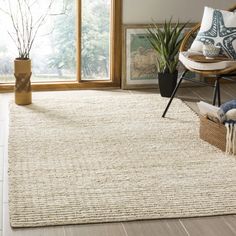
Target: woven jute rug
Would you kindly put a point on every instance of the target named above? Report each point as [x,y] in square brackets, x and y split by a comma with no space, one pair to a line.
[77,158]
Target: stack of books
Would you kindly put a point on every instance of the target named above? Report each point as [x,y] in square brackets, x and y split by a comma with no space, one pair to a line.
[211,112]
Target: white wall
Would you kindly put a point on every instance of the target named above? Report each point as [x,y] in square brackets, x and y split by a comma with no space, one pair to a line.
[142,11]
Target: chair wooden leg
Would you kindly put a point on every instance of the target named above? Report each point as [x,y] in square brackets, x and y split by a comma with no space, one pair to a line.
[215,92]
[173,94]
[218,92]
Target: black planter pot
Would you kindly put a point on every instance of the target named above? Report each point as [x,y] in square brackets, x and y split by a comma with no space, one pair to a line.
[167,83]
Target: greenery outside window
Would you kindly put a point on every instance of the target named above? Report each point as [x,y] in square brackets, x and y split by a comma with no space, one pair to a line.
[75,48]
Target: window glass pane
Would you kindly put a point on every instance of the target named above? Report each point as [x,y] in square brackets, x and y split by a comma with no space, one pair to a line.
[95,42]
[53,53]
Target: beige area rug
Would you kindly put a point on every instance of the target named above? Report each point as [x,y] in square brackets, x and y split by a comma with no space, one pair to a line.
[75,157]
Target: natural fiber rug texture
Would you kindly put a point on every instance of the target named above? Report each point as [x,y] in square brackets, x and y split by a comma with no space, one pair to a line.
[84,157]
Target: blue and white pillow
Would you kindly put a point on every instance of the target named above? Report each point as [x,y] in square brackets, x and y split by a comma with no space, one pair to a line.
[218,27]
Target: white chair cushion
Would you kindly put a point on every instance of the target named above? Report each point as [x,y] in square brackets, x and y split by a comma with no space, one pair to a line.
[189,63]
[218,27]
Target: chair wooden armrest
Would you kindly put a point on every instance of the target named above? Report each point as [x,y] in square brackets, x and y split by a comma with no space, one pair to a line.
[189,37]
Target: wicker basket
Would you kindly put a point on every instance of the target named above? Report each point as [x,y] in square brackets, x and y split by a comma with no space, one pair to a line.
[213,133]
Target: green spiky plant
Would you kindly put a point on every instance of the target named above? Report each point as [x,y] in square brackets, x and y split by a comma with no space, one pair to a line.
[166,41]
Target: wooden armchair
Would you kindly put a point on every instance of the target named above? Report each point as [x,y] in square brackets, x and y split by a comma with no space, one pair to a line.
[217,75]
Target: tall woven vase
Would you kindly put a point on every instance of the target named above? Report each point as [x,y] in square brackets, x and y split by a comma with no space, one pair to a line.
[22,72]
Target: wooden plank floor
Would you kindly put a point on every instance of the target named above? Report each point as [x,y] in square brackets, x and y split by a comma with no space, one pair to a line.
[202,226]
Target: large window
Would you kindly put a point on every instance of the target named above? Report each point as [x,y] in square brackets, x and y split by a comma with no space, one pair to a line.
[96,39]
[75,45]
[54,50]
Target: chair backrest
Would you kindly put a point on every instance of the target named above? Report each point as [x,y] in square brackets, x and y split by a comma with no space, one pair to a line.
[191,35]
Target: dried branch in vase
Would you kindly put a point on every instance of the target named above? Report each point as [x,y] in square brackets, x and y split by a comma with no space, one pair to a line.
[26,24]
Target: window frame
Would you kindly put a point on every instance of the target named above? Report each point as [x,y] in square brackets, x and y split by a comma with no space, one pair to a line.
[115,58]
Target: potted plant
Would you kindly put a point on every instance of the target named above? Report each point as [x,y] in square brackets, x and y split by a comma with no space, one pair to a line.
[166,41]
[25,28]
